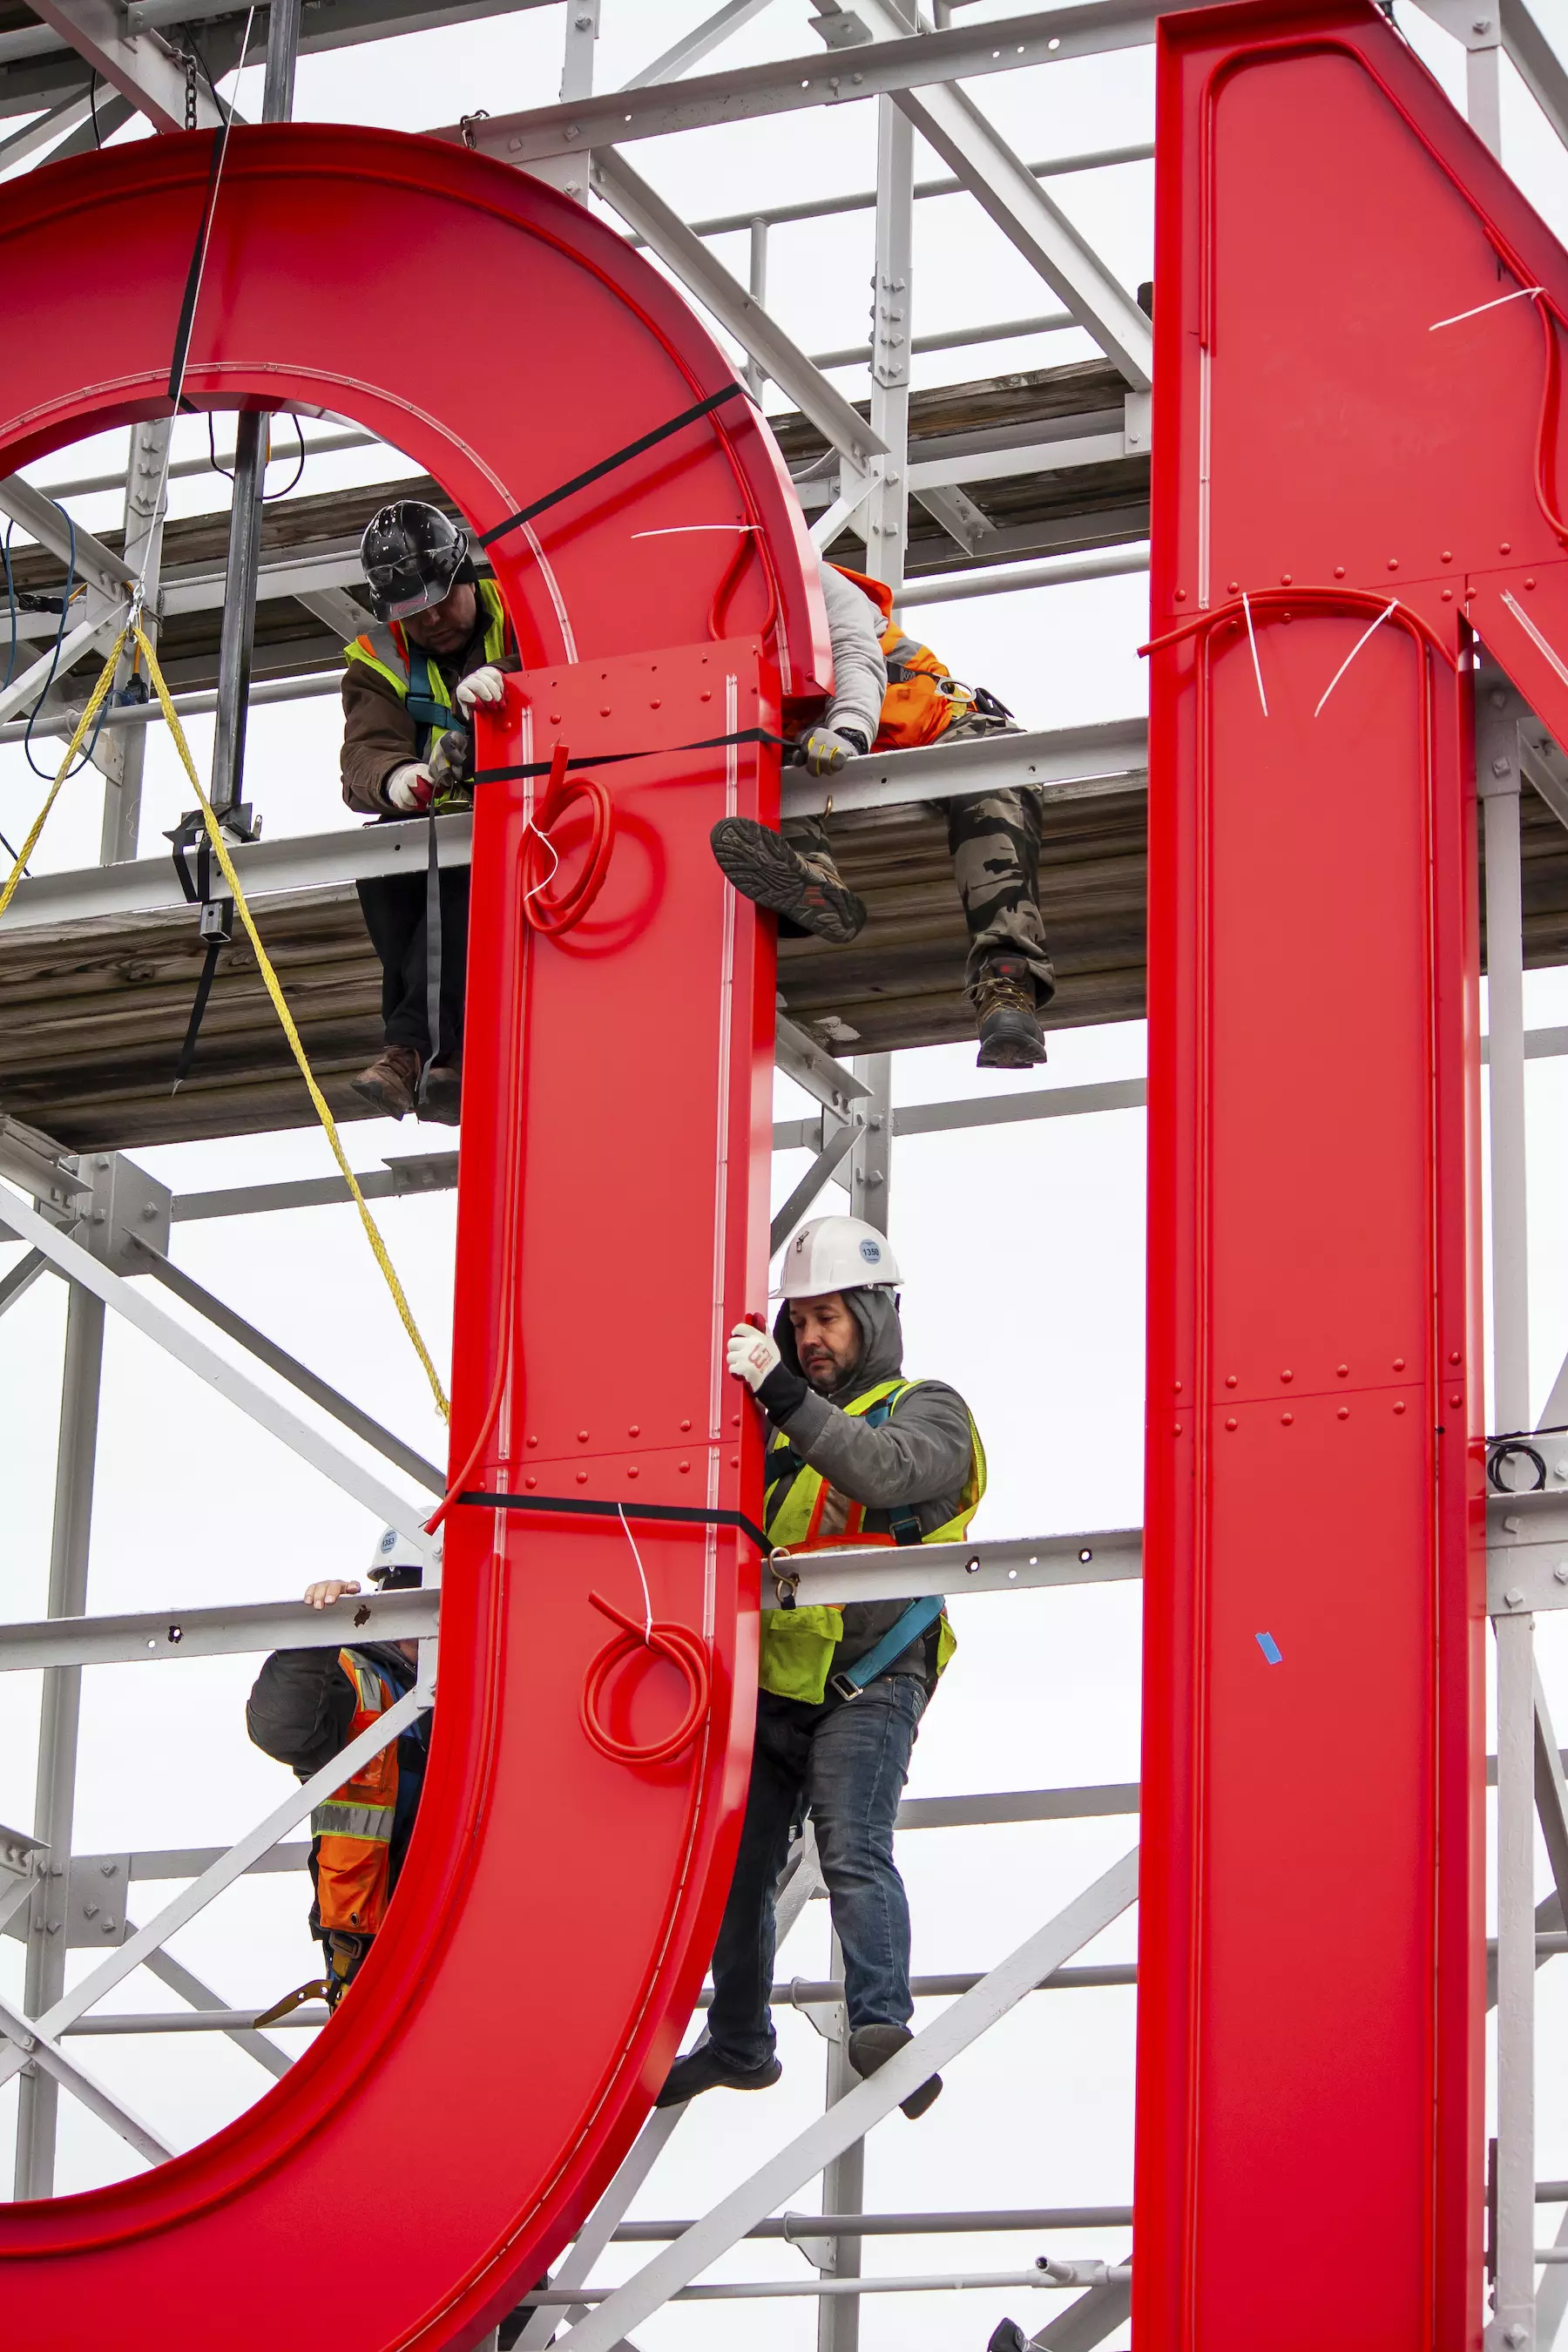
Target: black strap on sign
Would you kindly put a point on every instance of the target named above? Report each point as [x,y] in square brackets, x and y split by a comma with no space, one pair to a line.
[615,759]
[193,274]
[681,1514]
[609,465]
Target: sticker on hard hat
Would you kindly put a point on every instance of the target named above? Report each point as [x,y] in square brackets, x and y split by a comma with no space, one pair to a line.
[871,1253]
[389,1540]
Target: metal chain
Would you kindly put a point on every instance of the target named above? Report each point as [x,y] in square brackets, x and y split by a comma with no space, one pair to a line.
[190,93]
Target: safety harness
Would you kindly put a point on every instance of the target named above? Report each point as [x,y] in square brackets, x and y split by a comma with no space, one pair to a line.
[922,702]
[798,1643]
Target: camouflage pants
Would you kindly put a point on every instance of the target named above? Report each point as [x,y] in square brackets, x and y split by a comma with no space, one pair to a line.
[994,840]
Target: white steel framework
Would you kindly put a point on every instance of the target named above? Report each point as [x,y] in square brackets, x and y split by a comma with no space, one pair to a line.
[100,1223]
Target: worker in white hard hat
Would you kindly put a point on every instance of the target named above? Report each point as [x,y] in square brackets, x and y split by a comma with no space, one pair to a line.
[305,1709]
[856,1455]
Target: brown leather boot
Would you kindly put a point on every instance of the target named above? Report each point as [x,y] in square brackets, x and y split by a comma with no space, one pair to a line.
[391,1081]
[443,1100]
[804,890]
[1010,1037]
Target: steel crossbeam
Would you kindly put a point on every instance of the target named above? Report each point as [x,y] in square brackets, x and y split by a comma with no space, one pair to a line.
[69,1257]
[23,2043]
[233,1865]
[146,1637]
[935,2046]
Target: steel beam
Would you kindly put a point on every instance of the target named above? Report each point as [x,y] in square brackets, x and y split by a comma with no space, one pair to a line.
[934,2047]
[702,40]
[1007,190]
[42,520]
[146,503]
[147,1636]
[813,1183]
[114,1290]
[55,1801]
[118,1965]
[1536,62]
[667,235]
[184,1286]
[321,861]
[792,85]
[45,2061]
[1071,762]
[141,66]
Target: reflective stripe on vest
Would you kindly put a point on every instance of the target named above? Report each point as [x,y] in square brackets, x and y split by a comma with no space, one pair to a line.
[922,702]
[353,1828]
[414,678]
[798,1645]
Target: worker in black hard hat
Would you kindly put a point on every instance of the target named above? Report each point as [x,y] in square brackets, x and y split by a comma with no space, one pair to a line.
[410,684]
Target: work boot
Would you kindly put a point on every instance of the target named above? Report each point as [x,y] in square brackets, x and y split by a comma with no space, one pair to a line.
[807,890]
[706,2069]
[443,1100]
[1007,2336]
[391,1081]
[871,2046]
[1010,1037]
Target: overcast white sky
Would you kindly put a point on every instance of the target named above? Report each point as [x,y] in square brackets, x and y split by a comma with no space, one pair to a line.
[1022,1249]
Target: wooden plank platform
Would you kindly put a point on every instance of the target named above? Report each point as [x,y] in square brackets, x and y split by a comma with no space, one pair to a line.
[91,1015]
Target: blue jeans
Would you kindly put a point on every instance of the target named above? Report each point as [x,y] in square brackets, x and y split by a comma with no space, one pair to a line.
[846,1765]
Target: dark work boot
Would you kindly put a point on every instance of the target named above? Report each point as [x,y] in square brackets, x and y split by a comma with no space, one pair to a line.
[391,1081]
[1007,2336]
[1010,1037]
[871,2046]
[706,2069]
[443,1100]
[766,869]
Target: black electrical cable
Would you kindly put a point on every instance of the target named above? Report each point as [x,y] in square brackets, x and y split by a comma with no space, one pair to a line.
[269,497]
[92,108]
[88,750]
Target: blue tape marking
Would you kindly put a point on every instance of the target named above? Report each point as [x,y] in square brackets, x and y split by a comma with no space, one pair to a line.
[1270,1648]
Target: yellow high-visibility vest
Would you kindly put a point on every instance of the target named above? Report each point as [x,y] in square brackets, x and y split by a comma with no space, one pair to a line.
[798,1645]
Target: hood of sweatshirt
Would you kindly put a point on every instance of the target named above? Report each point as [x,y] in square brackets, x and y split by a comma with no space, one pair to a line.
[882,1344]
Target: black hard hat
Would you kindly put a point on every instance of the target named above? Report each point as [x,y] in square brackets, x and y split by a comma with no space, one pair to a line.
[410,555]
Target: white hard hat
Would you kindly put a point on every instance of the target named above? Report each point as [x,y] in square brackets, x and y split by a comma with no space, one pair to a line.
[393,1552]
[836,1253]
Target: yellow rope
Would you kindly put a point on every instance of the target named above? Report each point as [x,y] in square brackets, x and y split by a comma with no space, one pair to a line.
[264,962]
[95,703]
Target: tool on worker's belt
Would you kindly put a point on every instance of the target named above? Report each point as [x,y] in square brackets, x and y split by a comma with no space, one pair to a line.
[345,1957]
[315,1991]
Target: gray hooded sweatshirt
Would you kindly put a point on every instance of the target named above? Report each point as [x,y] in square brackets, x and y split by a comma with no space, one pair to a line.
[919,1456]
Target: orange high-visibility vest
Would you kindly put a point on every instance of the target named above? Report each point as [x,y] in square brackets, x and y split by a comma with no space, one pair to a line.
[353,1828]
[921,701]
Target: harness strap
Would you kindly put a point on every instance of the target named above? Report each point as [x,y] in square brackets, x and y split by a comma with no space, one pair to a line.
[916,1619]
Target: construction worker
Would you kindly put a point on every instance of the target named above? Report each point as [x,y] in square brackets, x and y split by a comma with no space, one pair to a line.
[856,1454]
[304,1708]
[891,694]
[410,689]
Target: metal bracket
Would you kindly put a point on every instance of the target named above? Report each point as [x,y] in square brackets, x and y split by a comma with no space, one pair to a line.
[127,1208]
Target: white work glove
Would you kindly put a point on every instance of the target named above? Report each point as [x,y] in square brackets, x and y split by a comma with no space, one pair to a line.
[826,750]
[752,1354]
[485,685]
[409,789]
